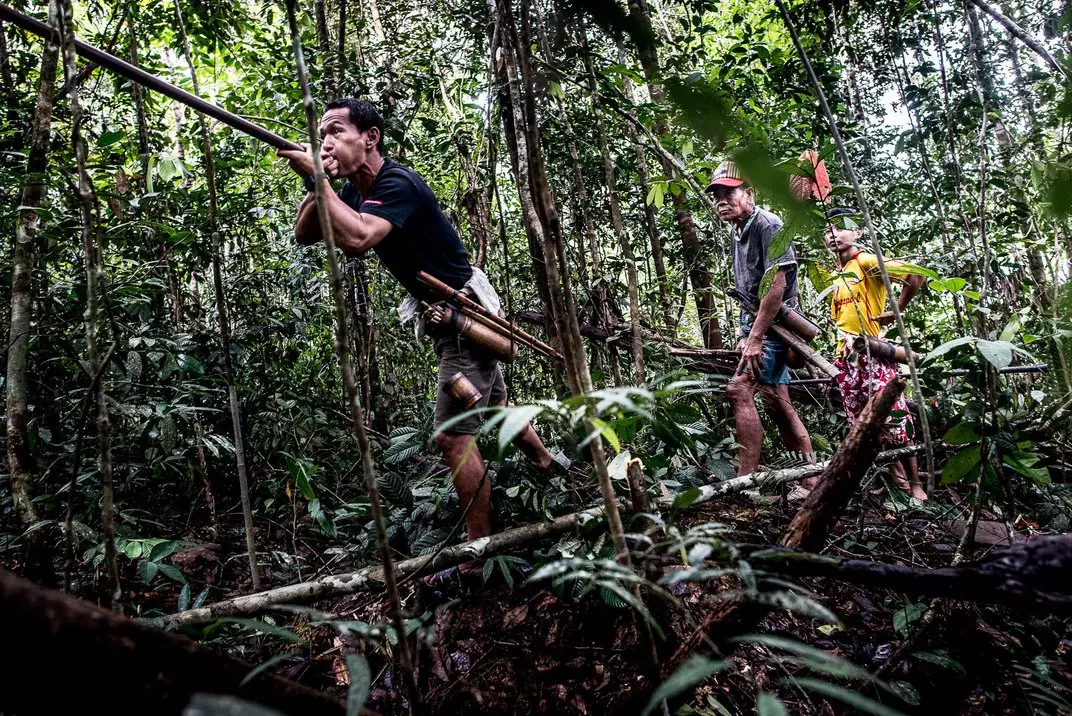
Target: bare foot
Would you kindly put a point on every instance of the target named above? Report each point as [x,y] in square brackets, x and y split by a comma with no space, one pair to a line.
[916,491]
[810,482]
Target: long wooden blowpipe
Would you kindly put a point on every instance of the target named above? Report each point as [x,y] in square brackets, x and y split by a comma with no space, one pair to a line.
[151,81]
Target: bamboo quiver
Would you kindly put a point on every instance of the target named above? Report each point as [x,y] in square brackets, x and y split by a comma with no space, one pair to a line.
[482,335]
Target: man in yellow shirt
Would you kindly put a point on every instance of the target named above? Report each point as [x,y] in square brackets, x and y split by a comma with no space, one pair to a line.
[858,308]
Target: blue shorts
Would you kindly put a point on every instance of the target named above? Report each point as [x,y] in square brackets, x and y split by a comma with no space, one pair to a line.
[775,370]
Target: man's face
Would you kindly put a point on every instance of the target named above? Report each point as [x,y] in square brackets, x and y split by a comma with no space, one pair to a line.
[839,239]
[343,147]
[734,204]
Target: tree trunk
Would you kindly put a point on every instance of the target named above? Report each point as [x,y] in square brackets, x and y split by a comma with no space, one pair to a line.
[597,285]
[809,529]
[113,665]
[624,242]
[534,185]
[401,645]
[370,579]
[699,275]
[20,459]
[111,593]
[221,314]
[651,222]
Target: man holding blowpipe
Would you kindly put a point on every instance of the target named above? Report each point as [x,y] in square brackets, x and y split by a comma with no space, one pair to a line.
[388,208]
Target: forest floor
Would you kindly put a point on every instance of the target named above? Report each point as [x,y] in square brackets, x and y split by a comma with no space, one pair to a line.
[495,648]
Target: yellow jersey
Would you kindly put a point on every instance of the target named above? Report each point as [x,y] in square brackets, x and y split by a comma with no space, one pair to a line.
[856,301]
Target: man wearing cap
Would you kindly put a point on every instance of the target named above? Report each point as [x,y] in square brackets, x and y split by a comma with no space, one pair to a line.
[763,358]
[857,307]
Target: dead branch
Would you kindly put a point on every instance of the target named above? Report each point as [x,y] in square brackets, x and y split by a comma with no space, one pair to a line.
[1032,574]
[73,657]
[370,579]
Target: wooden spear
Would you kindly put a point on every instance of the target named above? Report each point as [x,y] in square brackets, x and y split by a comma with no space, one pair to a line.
[136,74]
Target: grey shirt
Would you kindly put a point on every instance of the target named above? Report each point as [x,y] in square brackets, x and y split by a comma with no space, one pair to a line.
[752,259]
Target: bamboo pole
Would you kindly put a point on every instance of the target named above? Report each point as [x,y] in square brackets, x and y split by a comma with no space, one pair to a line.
[136,74]
[371,578]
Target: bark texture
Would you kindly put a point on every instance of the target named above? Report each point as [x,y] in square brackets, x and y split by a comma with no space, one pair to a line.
[20,460]
[110,592]
[699,274]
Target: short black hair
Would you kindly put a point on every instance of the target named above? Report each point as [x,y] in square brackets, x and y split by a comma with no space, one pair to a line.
[838,212]
[363,114]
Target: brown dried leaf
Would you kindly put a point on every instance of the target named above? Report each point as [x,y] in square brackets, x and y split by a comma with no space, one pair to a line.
[342,674]
[515,616]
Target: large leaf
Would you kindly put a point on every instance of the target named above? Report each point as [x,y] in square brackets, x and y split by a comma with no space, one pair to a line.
[961,464]
[998,353]
[360,682]
[517,419]
[688,675]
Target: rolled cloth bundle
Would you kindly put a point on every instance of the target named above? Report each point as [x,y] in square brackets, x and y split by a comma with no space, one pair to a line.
[882,349]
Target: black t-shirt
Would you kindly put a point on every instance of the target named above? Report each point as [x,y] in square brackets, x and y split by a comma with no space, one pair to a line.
[421,239]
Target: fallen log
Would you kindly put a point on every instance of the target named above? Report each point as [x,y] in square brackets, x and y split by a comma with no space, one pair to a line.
[368,579]
[70,656]
[1031,574]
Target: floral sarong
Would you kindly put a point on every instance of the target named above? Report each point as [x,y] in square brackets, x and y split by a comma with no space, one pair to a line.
[861,377]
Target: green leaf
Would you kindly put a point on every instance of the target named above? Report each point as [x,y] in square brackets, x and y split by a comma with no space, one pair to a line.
[164,549]
[769,705]
[688,675]
[857,701]
[686,498]
[998,353]
[906,269]
[107,139]
[961,434]
[147,571]
[908,614]
[767,281]
[264,628]
[171,572]
[948,285]
[190,364]
[302,481]
[940,658]
[1024,464]
[1008,334]
[184,598]
[262,667]
[948,346]
[516,420]
[200,601]
[961,464]
[360,682]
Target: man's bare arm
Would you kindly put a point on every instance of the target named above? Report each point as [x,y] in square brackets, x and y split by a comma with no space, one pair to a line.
[768,306]
[752,349]
[911,287]
[354,232]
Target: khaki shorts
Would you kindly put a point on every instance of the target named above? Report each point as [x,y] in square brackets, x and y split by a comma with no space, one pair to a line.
[456,354]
